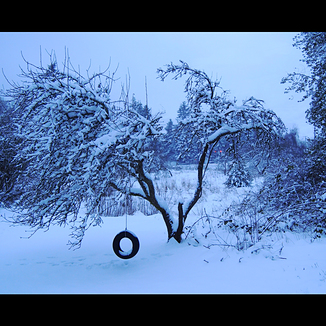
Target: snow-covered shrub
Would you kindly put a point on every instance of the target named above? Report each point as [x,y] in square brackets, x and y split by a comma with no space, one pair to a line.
[245,222]
[206,231]
[287,200]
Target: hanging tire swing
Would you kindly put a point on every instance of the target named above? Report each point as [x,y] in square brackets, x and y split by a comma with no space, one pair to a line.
[116,245]
[126,234]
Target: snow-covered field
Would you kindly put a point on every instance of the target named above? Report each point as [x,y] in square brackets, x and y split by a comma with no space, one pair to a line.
[287,263]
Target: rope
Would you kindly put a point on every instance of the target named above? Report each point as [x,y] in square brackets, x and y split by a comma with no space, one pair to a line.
[127,201]
[126,212]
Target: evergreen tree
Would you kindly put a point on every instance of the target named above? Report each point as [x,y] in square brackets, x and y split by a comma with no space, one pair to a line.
[169,127]
[136,105]
[146,112]
[183,111]
[139,108]
[238,175]
[168,151]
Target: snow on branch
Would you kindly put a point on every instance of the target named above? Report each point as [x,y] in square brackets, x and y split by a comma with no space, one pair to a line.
[77,144]
[212,113]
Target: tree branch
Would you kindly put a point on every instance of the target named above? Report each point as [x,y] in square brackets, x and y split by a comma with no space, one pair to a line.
[159,204]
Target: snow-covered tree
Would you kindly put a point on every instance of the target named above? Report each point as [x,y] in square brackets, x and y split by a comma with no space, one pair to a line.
[78,143]
[212,115]
[313,46]
[296,193]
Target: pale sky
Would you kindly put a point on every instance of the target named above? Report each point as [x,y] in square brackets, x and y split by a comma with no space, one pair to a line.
[249,64]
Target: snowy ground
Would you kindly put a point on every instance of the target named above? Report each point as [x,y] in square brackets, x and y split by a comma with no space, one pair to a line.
[288,263]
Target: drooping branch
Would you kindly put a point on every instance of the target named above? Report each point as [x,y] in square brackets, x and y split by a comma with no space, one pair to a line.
[206,125]
[77,144]
[214,139]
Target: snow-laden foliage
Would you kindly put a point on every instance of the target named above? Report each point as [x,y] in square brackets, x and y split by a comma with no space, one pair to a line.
[211,113]
[313,46]
[305,183]
[211,116]
[8,143]
[77,142]
[288,200]
[313,85]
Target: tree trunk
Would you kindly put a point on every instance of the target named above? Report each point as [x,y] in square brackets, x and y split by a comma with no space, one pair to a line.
[178,233]
[183,210]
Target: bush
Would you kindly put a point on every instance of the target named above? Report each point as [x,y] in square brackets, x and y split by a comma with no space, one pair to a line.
[288,200]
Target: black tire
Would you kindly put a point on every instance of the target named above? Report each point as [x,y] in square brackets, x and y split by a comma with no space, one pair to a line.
[116,245]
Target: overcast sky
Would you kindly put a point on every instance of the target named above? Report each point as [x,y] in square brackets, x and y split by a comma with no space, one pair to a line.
[249,64]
